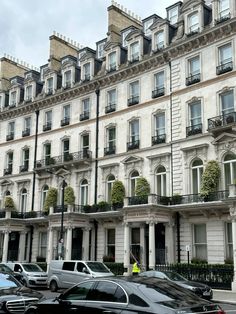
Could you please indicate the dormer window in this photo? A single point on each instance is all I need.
(224, 9)
(134, 52)
(86, 70)
(193, 23)
(100, 50)
(80, 55)
(112, 61)
(12, 99)
(124, 35)
(28, 93)
(160, 40)
(50, 86)
(67, 79)
(146, 27)
(173, 15)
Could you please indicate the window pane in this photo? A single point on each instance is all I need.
(225, 54)
(194, 66)
(227, 102)
(200, 233)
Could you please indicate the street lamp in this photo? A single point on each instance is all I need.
(61, 240)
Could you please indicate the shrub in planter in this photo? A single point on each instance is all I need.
(69, 196)
(117, 194)
(142, 187)
(87, 208)
(51, 199)
(176, 199)
(103, 206)
(94, 208)
(210, 178)
(196, 260)
(9, 203)
(164, 200)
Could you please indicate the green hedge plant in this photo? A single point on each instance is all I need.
(117, 194)
(210, 178)
(142, 187)
(51, 199)
(9, 203)
(69, 196)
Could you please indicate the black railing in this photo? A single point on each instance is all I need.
(87, 77)
(112, 68)
(158, 139)
(2, 213)
(193, 32)
(10, 137)
(59, 160)
(222, 120)
(194, 129)
(134, 58)
(47, 126)
(138, 200)
(133, 145)
(158, 92)
(26, 132)
(28, 99)
(223, 18)
(65, 121)
(67, 85)
(7, 171)
(110, 108)
(192, 79)
(24, 168)
(223, 68)
(12, 105)
(134, 100)
(49, 92)
(27, 215)
(84, 116)
(110, 150)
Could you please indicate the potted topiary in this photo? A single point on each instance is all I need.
(142, 190)
(51, 199)
(210, 179)
(117, 194)
(69, 196)
(9, 203)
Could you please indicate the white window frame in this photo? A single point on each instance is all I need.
(134, 175)
(84, 192)
(173, 15)
(109, 184)
(198, 169)
(193, 26)
(162, 178)
(135, 51)
(87, 71)
(195, 121)
(224, 10)
(221, 51)
(29, 92)
(198, 245)
(231, 163)
(23, 200)
(160, 39)
(67, 79)
(112, 61)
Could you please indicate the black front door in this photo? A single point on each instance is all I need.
(13, 246)
(77, 240)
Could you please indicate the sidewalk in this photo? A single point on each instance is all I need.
(224, 296)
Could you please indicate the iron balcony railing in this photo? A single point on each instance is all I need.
(67, 85)
(110, 108)
(49, 91)
(59, 160)
(158, 92)
(26, 132)
(24, 168)
(158, 139)
(2, 213)
(111, 68)
(138, 200)
(223, 18)
(194, 129)
(12, 105)
(8, 170)
(10, 137)
(222, 120)
(87, 77)
(134, 100)
(27, 215)
(193, 31)
(65, 121)
(192, 79)
(133, 145)
(134, 58)
(110, 150)
(223, 68)
(84, 116)
(86, 209)
(47, 126)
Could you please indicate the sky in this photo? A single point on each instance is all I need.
(27, 24)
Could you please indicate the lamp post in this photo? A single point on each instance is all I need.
(61, 240)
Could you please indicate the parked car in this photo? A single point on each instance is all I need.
(125, 295)
(14, 297)
(200, 289)
(33, 275)
(65, 274)
(6, 269)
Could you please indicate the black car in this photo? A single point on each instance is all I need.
(6, 269)
(125, 295)
(200, 289)
(14, 297)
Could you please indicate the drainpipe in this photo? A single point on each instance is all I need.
(171, 160)
(96, 170)
(34, 179)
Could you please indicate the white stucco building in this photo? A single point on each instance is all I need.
(155, 100)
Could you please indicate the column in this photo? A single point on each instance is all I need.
(50, 245)
(68, 243)
(21, 253)
(126, 246)
(5, 246)
(152, 246)
(233, 216)
(86, 243)
(35, 244)
(170, 242)
(143, 260)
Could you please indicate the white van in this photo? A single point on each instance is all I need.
(64, 273)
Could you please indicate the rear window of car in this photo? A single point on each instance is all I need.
(97, 267)
(107, 292)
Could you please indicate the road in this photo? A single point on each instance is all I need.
(229, 308)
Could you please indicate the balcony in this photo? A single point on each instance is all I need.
(222, 122)
(110, 150)
(49, 92)
(223, 68)
(158, 139)
(28, 99)
(134, 100)
(65, 159)
(192, 79)
(47, 126)
(87, 77)
(223, 18)
(138, 200)
(26, 132)
(111, 68)
(110, 108)
(158, 92)
(10, 137)
(7, 171)
(24, 168)
(193, 32)
(134, 58)
(67, 85)
(65, 121)
(12, 105)
(194, 129)
(84, 116)
(133, 145)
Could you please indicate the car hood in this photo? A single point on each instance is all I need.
(37, 274)
(95, 275)
(187, 284)
(25, 292)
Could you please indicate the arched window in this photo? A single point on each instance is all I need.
(161, 181)
(197, 171)
(44, 195)
(84, 192)
(23, 200)
(110, 181)
(133, 179)
(229, 169)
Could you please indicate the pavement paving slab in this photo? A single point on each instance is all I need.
(224, 296)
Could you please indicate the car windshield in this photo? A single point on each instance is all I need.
(7, 281)
(97, 267)
(32, 268)
(174, 276)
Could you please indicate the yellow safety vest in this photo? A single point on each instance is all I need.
(136, 268)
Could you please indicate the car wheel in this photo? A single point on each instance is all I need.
(53, 286)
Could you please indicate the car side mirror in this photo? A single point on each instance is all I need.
(64, 303)
(84, 270)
